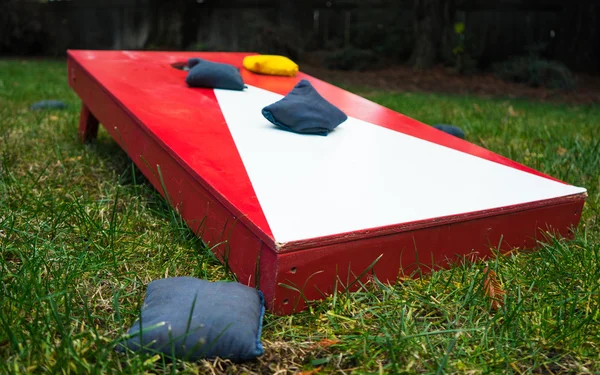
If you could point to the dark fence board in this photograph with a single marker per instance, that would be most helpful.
(495, 29)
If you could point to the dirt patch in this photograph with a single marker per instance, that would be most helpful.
(281, 358)
(442, 80)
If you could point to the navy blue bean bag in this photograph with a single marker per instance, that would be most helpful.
(303, 110)
(192, 319)
(209, 74)
(451, 129)
(48, 104)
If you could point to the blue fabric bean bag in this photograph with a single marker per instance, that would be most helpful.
(209, 74)
(303, 110)
(192, 319)
(451, 129)
(48, 104)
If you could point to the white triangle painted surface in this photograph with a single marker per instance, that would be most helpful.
(364, 176)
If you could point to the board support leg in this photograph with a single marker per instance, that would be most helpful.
(88, 125)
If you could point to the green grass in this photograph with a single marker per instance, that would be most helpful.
(82, 233)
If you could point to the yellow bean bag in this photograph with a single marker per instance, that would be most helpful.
(271, 64)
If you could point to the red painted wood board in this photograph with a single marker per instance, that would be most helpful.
(296, 215)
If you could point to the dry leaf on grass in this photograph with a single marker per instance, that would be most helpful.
(77, 158)
(309, 372)
(493, 289)
(325, 343)
(512, 112)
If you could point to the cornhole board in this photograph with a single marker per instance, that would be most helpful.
(299, 215)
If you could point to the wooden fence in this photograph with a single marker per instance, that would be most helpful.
(495, 29)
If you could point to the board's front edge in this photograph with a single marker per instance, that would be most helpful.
(291, 279)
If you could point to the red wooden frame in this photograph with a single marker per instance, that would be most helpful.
(292, 273)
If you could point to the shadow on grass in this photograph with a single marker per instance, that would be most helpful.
(133, 180)
(118, 160)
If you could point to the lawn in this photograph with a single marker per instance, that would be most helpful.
(82, 233)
